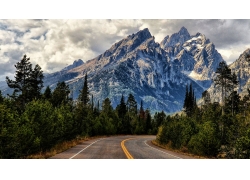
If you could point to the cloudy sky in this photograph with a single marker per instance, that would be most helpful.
(55, 43)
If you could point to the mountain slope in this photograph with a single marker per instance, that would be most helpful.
(152, 72)
(241, 67)
(197, 55)
(75, 64)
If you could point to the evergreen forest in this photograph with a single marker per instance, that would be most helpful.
(32, 121)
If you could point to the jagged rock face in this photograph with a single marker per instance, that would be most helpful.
(63, 75)
(152, 72)
(177, 38)
(196, 55)
(241, 67)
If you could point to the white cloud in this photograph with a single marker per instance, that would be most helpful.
(232, 53)
(54, 43)
(6, 37)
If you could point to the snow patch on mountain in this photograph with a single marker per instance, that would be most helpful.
(142, 64)
(193, 75)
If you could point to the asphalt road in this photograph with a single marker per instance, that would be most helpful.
(119, 147)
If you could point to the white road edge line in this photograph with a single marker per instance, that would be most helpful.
(161, 151)
(85, 148)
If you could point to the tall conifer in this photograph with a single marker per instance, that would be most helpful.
(47, 93)
(84, 93)
(142, 112)
(132, 105)
(122, 108)
(28, 82)
(189, 101)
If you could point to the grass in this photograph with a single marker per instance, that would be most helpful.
(60, 147)
(183, 150)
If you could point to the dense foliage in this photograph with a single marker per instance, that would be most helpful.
(211, 130)
(32, 121)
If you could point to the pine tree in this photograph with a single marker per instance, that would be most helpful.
(28, 82)
(132, 105)
(84, 93)
(185, 105)
(233, 102)
(82, 110)
(36, 82)
(189, 101)
(190, 98)
(47, 93)
(159, 118)
(122, 108)
(234, 93)
(106, 107)
(123, 116)
(92, 102)
(96, 110)
(21, 82)
(224, 80)
(142, 112)
(235, 81)
(61, 94)
(148, 124)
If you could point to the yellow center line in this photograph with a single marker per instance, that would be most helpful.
(129, 156)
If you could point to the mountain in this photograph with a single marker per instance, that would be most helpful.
(197, 55)
(75, 64)
(156, 73)
(63, 75)
(49, 80)
(152, 72)
(241, 67)
(176, 40)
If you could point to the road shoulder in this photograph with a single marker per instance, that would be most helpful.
(173, 152)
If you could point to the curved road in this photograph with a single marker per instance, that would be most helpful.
(119, 147)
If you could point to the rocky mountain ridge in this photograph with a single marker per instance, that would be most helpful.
(156, 73)
(152, 72)
(241, 67)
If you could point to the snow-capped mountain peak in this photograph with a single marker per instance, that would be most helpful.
(179, 37)
(152, 72)
(196, 42)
